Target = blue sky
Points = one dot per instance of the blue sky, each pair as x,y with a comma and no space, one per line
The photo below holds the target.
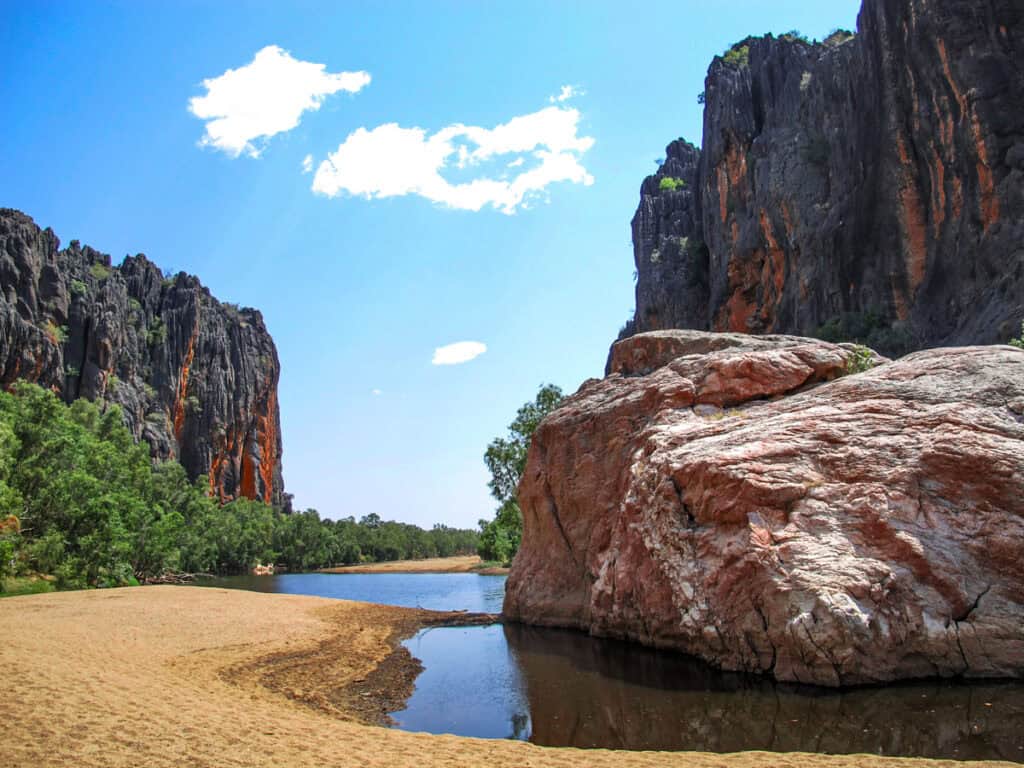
98,142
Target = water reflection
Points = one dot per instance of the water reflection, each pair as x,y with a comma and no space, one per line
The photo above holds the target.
561,688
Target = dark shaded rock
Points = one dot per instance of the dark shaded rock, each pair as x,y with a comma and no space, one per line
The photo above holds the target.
869,186
195,378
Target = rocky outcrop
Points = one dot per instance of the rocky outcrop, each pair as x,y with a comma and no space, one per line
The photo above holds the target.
870,186
196,378
742,500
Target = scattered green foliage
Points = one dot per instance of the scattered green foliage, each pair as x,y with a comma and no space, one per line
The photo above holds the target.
869,328
506,460
100,271
862,359
157,333
192,405
78,288
796,34
702,97
1018,342
58,333
71,371
737,56
134,305
671,184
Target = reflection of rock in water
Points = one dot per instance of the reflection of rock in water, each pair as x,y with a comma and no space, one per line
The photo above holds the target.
520,726
585,692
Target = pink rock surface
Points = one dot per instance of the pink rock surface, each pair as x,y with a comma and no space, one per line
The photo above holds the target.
738,498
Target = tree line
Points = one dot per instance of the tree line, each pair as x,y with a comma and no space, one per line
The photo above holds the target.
84,504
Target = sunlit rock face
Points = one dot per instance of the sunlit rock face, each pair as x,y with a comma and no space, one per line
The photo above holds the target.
195,378
874,180
738,498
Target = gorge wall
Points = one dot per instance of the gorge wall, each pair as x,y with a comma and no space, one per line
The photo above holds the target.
870,186
195,377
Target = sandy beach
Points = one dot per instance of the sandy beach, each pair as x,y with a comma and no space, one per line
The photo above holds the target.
457,564
181,676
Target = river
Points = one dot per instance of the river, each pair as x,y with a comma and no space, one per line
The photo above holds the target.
561,688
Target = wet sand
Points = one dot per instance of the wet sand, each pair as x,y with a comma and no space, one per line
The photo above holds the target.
178,676
457,564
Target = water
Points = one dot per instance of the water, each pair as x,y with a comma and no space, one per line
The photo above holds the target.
561,688
436,591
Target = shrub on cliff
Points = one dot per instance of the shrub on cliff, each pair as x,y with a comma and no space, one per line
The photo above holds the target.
737,56
1019,342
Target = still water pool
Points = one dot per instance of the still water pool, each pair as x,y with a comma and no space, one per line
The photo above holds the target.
436,591
561,688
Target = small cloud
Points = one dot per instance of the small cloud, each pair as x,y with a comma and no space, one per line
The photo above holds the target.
245,107
567,92
391,161
375,392
307,164
459,352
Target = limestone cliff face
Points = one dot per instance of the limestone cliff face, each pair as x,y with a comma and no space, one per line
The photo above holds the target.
196,378
871,185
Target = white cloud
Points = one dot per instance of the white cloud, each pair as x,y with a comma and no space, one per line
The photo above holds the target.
390,161
459,352
307,164
567,92
244,107
375,392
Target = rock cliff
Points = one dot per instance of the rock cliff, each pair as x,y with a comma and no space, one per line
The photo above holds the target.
740,499
196,378
870,186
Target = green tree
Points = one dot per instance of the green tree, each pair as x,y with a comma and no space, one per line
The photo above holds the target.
505,457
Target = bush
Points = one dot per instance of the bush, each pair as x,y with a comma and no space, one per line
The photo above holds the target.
58,333
671,184
78,288
1019,342
862,359
157,333
737,56
100,271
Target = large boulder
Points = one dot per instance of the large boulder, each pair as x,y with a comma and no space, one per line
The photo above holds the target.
746,500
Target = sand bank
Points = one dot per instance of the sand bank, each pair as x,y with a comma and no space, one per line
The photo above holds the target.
180,676
457,564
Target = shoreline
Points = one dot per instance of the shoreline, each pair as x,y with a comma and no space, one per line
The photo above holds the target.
172,676
456,564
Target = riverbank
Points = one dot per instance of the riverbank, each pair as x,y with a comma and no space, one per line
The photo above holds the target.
172,676
457,564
